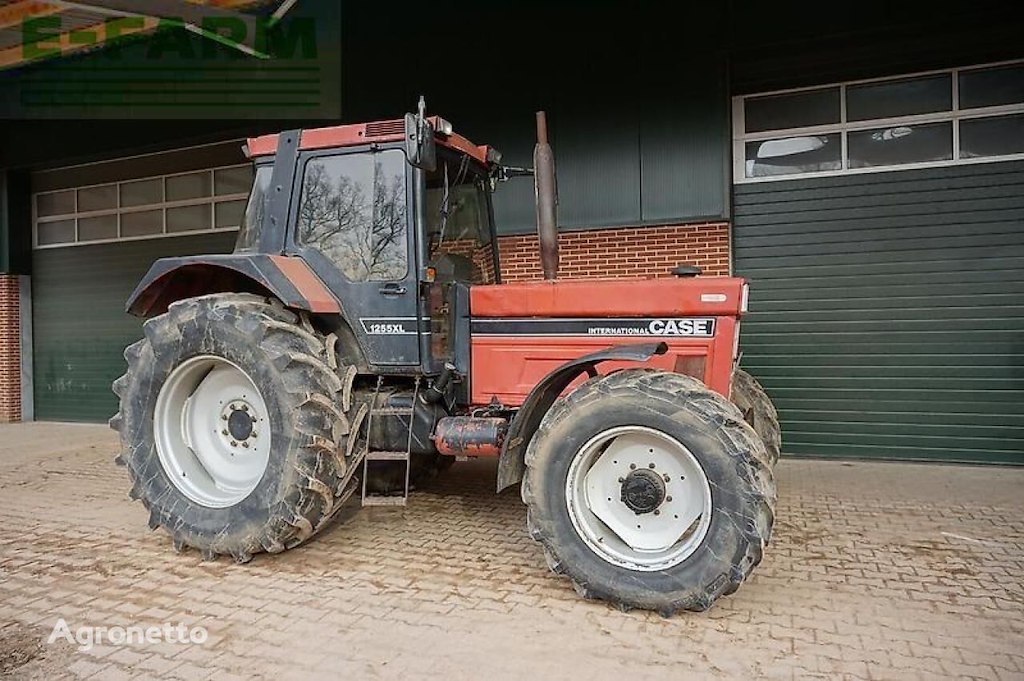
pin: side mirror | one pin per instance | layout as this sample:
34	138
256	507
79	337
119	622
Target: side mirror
420	148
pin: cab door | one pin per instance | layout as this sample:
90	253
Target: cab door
354	226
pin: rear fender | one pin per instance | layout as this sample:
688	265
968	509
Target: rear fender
511	462
286	278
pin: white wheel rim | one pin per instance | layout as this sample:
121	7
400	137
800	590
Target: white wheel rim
656	538
214	456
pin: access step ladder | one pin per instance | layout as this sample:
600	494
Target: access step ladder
389	456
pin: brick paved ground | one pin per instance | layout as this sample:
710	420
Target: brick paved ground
876	571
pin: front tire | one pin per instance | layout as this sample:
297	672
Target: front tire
662	434
758	411
224	379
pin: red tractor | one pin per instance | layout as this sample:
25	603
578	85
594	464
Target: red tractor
359	339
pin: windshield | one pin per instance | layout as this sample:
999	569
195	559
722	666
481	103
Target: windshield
248	232
458	222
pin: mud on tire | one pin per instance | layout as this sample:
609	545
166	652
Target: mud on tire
758	411
728	451
315	424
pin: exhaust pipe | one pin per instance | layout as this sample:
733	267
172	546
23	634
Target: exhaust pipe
547	200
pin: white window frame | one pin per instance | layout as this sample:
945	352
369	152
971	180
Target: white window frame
740	137
210	201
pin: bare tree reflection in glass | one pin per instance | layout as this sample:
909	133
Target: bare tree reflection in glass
353	209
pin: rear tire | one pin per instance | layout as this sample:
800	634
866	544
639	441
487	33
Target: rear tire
758	411
689	428
312	423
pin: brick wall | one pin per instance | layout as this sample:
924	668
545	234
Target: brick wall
621	253
10	350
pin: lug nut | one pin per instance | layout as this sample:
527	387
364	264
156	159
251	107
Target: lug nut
632	466
657	512
224	432
223	417
650	465
234	444
245	407
246	445
254	435
667	478
622	480
668	498
233	407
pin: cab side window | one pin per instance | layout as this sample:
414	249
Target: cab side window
353	210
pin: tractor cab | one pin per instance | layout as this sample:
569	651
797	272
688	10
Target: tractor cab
390	216
377	226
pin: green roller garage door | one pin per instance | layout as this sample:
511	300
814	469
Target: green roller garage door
80	328
887	310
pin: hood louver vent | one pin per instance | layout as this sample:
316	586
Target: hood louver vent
381	128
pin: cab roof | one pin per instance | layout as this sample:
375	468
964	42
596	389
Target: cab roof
365	133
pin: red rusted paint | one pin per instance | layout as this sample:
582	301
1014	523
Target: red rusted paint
470	436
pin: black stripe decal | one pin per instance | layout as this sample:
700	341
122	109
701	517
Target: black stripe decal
694	327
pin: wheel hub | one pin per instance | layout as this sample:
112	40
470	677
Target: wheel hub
211	431
638	498
240	422
643	491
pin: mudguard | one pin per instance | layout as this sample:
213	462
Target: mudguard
287	278
511	462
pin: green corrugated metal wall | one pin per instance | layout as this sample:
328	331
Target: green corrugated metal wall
887	310
79	324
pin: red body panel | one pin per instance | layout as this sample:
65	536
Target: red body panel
507	367
318	298
610	298
361	133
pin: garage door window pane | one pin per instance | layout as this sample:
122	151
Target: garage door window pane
897	145
997	136
185	187
98	227
789	155
797	110
992	87
232	180
103	197
899	98
188	218
55	203
142	193
228	214
142	224
60	232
